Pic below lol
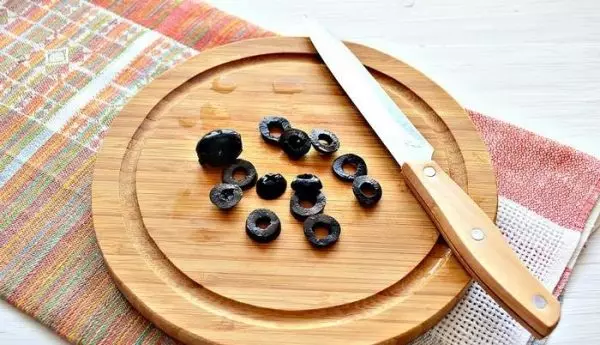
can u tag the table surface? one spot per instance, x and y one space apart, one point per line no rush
532 63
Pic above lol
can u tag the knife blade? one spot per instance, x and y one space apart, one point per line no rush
473 237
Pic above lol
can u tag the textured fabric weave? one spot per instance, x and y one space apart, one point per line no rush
68 67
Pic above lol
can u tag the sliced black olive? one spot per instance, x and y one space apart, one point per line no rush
268 123
225 195
294 142
301 212
367 190
349 159
324 141
263 225
247 168
322 220
307 184
219 147
271 186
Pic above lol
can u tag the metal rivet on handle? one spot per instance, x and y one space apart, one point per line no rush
429 171
477 234
539 301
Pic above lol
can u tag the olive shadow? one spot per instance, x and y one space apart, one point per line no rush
321 252
207 174
260 245
366 209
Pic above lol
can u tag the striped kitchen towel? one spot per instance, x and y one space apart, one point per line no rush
68 67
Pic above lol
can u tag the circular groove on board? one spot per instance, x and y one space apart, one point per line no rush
264 317
194 314
293 270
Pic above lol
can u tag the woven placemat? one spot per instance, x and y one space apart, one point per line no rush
68 67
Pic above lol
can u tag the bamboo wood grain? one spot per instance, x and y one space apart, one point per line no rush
483 250
190 268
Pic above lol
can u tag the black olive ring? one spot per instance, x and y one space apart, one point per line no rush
225 195
294 142
248 181
308 184
322 220
300 212
363 198
332 143
352 159
267 123
267 234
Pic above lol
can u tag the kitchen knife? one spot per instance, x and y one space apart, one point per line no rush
472 236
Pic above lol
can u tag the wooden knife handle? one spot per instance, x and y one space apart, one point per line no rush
481 248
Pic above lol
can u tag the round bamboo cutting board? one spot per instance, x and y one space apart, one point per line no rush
191 269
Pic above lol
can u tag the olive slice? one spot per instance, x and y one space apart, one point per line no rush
349 159
307 184
271 186
324 141
249 170
263 225
301 212
367 190
225 195
322 220
268 123
295 143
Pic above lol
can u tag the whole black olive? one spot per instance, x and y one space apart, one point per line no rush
271 186
295 143
219 147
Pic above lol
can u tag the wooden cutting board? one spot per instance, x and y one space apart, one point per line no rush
191 269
